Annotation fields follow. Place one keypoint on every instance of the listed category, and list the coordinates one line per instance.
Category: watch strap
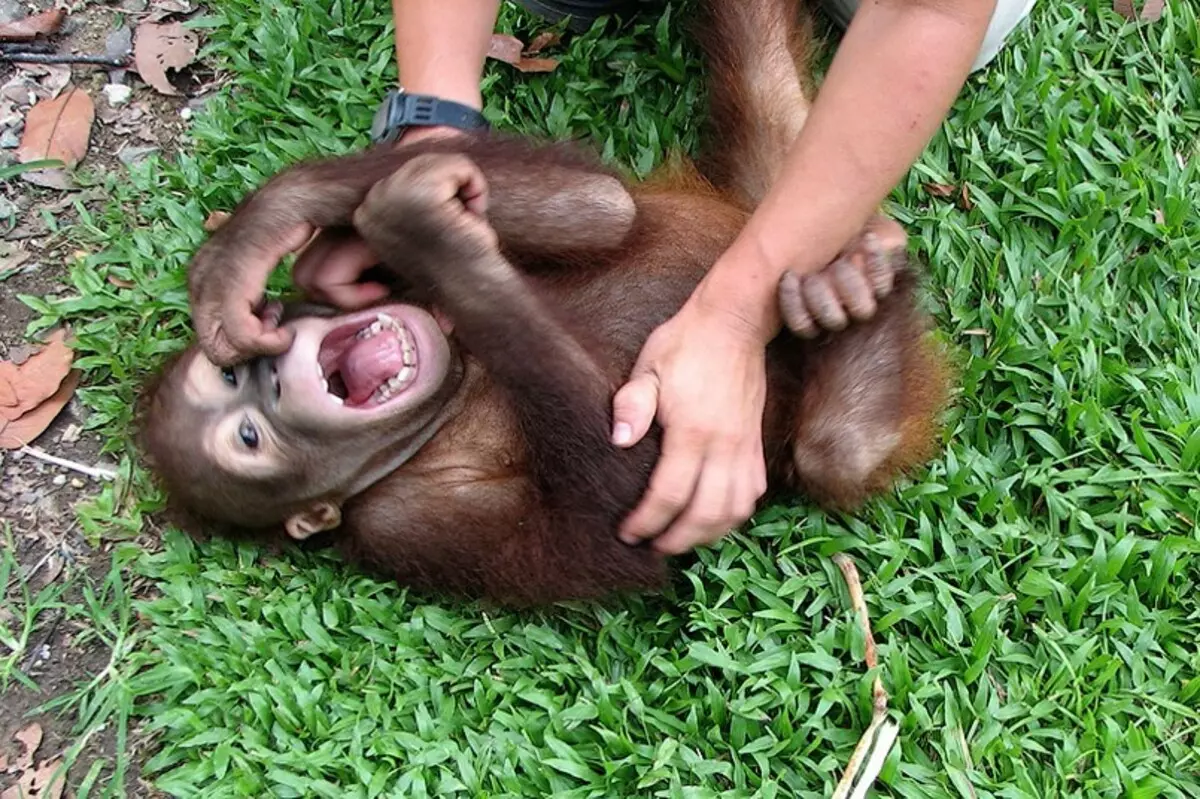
(401, 110)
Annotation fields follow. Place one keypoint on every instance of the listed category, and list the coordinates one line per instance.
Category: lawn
(1032, 591)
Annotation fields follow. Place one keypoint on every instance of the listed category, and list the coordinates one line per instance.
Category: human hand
(703, 375)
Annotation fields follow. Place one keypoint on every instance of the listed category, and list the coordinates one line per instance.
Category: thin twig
(880, 735)
(31, 654)
(94, 472)
(64, 58)
(27, 47)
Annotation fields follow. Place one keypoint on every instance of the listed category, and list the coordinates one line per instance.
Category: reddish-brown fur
(518, 497)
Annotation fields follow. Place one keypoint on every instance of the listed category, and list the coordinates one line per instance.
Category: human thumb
(634, 406)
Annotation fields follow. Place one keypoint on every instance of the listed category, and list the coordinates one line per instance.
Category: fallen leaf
(11, 257)
(27, 28)
(51, 178)
(165, 8)
(22, 388)
(938, 189)
(537, 64)
(215, 220)
(162, 46)
(542, 41)
(58, 129)
(41, 783)
(964, 197)
(22, 431)
(31, 738)
(53, 78)
(129, 154)
(505, 48)
(1151, 11)
(121, 282)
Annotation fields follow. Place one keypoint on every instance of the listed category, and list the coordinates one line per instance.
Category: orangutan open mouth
(364, 365)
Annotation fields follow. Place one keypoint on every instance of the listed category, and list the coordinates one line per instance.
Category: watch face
(380, 129)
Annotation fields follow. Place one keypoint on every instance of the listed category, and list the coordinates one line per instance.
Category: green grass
(1033, 592)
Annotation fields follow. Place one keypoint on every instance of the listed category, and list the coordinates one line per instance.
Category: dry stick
(876, 746)
(55, 58)
(95, 472)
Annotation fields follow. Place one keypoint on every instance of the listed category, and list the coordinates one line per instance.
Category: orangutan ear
(318, 517)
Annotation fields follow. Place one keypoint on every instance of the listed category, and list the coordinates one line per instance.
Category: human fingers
(634, 407)
(329, 271)
(672, 484)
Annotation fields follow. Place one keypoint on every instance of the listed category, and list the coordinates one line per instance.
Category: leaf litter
(511, 50)
(159, 47)
(1151, 10)
(58, 129)
(33, 393)
(29, 28)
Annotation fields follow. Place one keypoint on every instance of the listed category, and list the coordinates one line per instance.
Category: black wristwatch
(401, 111)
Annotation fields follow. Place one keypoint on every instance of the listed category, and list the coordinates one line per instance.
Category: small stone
(59, 480)
(129, 155)
(77, 483)
(119, 43)
(186, 113)
(71, 434)
(10, 11)
(9, 139)
(117, 93)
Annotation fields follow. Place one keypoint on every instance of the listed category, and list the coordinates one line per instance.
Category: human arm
(896, 72)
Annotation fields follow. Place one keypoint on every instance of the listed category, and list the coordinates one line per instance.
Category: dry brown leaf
(1151, 11)
(542, 41)
(51, 78)
(22, 431)
(22, 388)
(939, 189)
(161, 9)
(964, 197)
(121, 283)
(31, 739)
(505, 48)
(40, 783)
(537, 64)
(215, 220)
(59, 129)
(162, 46)
(31, 27)
(12, 256)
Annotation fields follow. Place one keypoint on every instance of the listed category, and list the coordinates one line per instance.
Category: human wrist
(743, 309)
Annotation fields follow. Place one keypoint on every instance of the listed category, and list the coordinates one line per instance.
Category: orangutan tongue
(369, 363)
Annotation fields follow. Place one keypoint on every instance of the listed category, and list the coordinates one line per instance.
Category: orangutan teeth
(384, 322)
(394, 385)
(408, 348)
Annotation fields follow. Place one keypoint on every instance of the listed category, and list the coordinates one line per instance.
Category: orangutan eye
(229, 376)
(248, 434)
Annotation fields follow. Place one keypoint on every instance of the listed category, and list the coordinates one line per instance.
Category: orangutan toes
(849, 289)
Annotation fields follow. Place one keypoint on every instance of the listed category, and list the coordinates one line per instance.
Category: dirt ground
(37, 498)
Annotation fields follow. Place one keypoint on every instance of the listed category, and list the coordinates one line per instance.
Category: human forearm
(441, 46)
(895, 76)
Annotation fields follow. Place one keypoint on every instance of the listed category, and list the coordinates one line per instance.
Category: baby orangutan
(457, 437)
